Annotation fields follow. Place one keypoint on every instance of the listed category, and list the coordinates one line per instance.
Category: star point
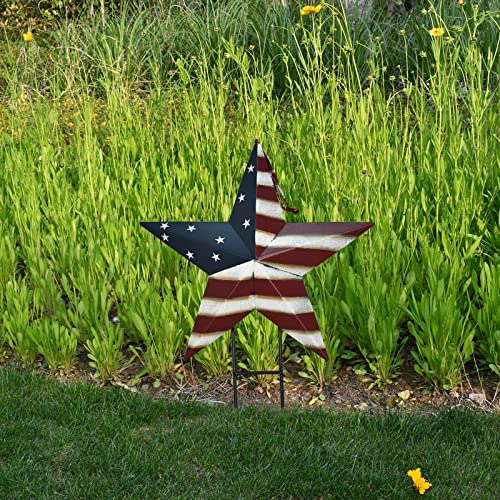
(251, 168)
(241, 197)
(246, 224)
(164, 225)
(220, 239)
(215, 256)
(189, 255)
(191, 228)
(164, 237)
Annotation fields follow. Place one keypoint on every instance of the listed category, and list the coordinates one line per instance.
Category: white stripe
(263, 238)
(290, 305)
(222, 307)
(268, 208)
(289, 268)
(333, 242)
(202, 339)
(264, 179)
(238, 273)
(260, 151)
(309, 339)
(262, 271)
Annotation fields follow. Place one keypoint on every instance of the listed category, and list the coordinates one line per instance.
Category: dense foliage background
(149, 112)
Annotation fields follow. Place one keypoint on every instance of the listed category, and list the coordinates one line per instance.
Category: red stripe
(228, 288)
(327, 228)
(295, 256)
(191, 352)
(263, 164)
(320, 352)
(305, 322)
(259, 250)
(220, 289)
(280, 288)
(267, 193)
(210, 324)
(269, 224)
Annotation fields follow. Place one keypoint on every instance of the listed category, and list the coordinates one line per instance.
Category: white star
(190, 255)
(246, 223)
(220, 239)
(164, 225)
(251, 168)
(241, 197)
(164, 237)
(191, 228)
(215, 256)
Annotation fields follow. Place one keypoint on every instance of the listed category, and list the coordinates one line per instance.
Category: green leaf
(473, 247)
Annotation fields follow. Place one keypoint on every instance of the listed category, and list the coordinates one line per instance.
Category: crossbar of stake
(237, 373)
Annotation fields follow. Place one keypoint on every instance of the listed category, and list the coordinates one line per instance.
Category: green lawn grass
(81, 441)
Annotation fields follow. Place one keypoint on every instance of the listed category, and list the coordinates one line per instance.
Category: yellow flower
(418, 481)
(436, 32)
(460, 3)
(310, 9)
(414, 473)
(28, 36)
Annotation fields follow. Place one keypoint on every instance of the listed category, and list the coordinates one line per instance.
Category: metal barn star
(256, 260)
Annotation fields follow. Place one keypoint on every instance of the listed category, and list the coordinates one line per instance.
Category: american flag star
(261, 262)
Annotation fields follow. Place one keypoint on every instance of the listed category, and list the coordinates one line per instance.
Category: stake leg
(282, 382)
(235, 375)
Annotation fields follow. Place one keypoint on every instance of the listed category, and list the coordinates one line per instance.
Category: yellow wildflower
(28, 36)
(460, 3)
(436, 32)
(310, 9)
(418, 481)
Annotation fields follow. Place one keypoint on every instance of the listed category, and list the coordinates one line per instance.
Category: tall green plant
(216, 357)
(325, 294)
(153, 319)
(439, 324)
(17, 320)
(56, 343)
(105, 351)
(257, 338)
(486, 313)
(374, 300)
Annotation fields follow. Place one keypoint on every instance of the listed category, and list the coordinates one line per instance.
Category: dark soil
(347, 392)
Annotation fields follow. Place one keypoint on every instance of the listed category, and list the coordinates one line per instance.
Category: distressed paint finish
(256, 260)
